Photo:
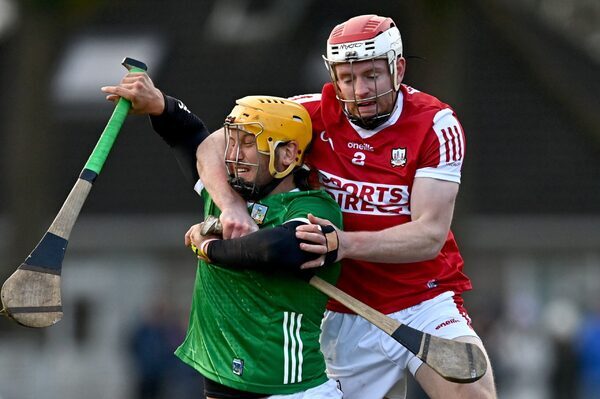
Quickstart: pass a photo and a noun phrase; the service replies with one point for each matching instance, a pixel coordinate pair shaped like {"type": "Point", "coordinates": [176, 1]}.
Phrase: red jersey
{"type": "Point", "coordinates": [370, 174]}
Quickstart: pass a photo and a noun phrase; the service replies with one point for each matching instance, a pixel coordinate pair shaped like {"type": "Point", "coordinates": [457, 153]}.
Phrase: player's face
{"type": "Point", "coordinates": [362, 83]}
{"type": "Point", "coordinates": [243, 159]}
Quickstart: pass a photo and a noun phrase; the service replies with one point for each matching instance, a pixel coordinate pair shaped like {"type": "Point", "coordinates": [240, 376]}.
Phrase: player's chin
{"type": "Point", "coordinates": [365, 112]}
{"type": "Point", "coordinates": [250, 177]}
{"type": "Point", "coordinates": [369, 109]}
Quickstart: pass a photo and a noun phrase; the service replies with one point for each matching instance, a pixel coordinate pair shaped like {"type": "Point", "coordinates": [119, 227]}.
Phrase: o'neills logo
{"type": "Point", "coordinates": [366, 197]}
{"type": "Point", "coordinates": [447, 323]}
{"type": "Point", "coordinates": [360, 146]}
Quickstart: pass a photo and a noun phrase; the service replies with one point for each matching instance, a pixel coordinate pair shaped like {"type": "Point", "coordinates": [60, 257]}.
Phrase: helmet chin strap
{"type": "Point", "coordinates": [369, 123]}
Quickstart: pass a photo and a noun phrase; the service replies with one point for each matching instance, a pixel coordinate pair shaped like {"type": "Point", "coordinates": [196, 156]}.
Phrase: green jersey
{"type": "Point", "coordinates": [259, 332]}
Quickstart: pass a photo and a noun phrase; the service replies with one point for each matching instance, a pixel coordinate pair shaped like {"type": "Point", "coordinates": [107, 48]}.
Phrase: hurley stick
{"type": "Point", "coordinates": [455, 361]}
{"type": "Point", "coordinates": [31, 295]}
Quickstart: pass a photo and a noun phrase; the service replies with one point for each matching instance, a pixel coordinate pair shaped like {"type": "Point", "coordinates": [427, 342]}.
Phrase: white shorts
{"type": "Point", "coordinates": [369, 363]}
{"type": "Point", "coordinates": [328, 390]}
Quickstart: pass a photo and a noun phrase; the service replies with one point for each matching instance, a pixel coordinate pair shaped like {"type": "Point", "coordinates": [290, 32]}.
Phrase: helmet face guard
{"type": "Point", "coordinates": [365, 38]}
{"type": "Point", "coordinates": [234, 133]}
{"type": "Point", "coordinates": [369, 122]}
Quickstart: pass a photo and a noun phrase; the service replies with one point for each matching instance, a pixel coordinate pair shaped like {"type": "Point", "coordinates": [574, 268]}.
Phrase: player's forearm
{"type": "Point", "coordinates": [411, 242]}
{"type": "Point", "coordinates": [212, 172]}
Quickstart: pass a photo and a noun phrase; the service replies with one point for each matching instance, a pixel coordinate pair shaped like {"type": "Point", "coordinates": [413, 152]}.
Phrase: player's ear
{"type": "Point", "coordinates": [400, 68]}
{"type": "Point", "coordinates": [288, 153]}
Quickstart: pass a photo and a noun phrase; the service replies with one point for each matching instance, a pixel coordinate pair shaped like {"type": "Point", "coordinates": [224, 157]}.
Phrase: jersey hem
{"type": "Point", "coordinates": [254, 388]}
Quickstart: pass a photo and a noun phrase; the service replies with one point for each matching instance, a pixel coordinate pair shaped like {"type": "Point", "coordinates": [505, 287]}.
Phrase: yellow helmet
{"type": "Point", "coordinates": [273, 120]}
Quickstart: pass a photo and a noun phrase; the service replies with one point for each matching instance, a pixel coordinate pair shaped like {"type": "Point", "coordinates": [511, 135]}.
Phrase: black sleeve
{"type": "Point", "coordinates": [273, 249]}
{"type": "Point", "coordinates": [183, 131]}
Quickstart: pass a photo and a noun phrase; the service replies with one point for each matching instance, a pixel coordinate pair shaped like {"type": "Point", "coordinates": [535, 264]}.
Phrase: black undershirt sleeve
{"type": "Point", "coordinates": [272, 249]}
{"type": "Point", "coordinates": [183, 131]}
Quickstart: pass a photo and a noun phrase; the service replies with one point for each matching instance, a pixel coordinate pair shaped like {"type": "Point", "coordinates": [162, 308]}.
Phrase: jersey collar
{"type": "Point", "coordinates": [366, 133]}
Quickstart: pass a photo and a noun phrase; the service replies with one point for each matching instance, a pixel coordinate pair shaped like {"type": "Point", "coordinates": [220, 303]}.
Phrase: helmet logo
{"type": "Point", "coordinates": [351, 45]}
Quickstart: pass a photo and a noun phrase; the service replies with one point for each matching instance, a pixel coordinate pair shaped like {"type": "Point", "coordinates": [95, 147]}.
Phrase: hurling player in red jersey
{"type": "Point", "coordinates": [391, 156]}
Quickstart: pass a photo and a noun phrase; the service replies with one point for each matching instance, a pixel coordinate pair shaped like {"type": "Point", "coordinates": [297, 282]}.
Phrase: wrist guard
{"type": "Point", "coordinates": [183, 132]}
{"type": "Point", "coordinates": [331, 242]}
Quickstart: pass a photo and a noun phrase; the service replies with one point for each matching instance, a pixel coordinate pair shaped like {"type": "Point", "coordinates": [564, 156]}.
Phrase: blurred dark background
{"type": "Point", "coordinates": [523, 77]}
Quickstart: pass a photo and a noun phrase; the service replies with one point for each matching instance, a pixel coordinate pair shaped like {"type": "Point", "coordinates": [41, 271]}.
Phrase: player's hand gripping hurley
{"type": "Point", "coordinates": [31, 295]}
{"type": "Point", "coordinates": [455, 361]}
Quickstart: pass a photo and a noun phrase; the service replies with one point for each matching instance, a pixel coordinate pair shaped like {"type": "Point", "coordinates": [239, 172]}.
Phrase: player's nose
{"type": "Point", "coordinates": [361, 88]}
{"type": "Point", "coordinates": [234, 153]}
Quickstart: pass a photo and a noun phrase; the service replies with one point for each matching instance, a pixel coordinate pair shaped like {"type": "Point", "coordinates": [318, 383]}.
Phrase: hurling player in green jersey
{"type": "Point", "coordinates": [255, 322]}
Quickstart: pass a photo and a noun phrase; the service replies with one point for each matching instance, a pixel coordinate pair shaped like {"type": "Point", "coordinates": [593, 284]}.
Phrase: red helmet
{"type": "Point", "coordinates": [363, 38]}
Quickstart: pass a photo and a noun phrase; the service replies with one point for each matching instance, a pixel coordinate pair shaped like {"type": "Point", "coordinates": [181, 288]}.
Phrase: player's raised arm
{"type": "Point", "coordinates": [234, 217]}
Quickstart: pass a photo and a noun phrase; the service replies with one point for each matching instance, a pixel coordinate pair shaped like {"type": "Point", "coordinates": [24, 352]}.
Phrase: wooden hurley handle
{"type": "Point", "coordinates": [385, 323]}
{"type": "Point", "coordinates": [455, 361]}
{"type": "Point", "coordinates": [31, 295]}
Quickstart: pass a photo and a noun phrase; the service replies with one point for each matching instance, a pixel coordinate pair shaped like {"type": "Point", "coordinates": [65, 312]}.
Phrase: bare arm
{"type": "Point", "coordinates": [234, 213]}
{"type": "Point", "coordinates": [432, 207]}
